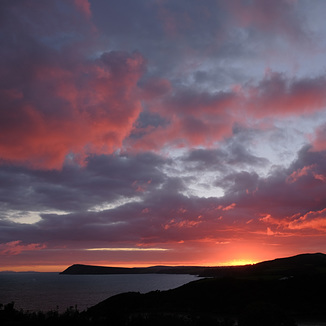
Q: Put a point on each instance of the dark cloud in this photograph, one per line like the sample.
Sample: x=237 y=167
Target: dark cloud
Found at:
x=104 y=179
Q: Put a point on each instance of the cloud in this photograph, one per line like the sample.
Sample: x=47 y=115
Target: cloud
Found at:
x=278 y=95
x=277 y=17
x=56 y=101
x=61 y=117
x=201 y=118
x=299 y=173
x=192 y=118
x=161 y=207
x=16 y=247
x=319 y=140
x=84 y=7
x=312 y=220
x=165 y=217
x=227 y=208
x=105 y=179
x=60 y=100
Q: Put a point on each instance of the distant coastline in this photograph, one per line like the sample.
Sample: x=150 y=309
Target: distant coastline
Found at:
x=280 y=267
x=79 y=269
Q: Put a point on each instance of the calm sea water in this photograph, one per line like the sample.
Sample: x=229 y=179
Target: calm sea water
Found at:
x=51 y=291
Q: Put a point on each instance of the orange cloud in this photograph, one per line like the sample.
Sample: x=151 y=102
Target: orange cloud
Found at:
x=312 y=220
x=227 y=208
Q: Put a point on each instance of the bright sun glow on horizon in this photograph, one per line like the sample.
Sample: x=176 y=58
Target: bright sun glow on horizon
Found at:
x=239 y=262
x=136 y=264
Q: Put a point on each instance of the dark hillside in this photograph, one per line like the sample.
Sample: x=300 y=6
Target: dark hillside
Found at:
x=304 y=264
x=298 y=298
x=274 y=293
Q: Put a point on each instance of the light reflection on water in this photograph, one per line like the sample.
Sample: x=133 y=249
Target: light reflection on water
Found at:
x=51 y=291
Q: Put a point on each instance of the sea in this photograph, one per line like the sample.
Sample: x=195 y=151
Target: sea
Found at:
x=32 y=291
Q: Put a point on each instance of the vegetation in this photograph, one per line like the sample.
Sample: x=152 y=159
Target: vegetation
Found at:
x=11 y=316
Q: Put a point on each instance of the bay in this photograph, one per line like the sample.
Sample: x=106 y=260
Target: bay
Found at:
x=52 y=291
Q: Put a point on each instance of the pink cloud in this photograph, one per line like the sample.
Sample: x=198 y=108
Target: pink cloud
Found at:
x=200 y=118
x=59 y=98
x=320 y=177
x=15 y=247
x=192 y=119
x=90 y=108
x=319 y=140
x=277 y=95
x=65 y=103
x=84 y=6
x=299 y=173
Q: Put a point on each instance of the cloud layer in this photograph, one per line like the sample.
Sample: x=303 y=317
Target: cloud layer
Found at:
x=193 y=127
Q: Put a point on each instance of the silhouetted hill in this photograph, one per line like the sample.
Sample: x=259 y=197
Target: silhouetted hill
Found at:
x=78 y=269
x=298 y=261
x=277 y=268
x=303 y=264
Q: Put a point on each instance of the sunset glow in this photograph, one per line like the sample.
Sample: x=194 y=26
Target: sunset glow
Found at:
x=139 y=133
x=239 y=262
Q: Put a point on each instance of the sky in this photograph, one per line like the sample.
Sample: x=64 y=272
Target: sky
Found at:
x=161 y=132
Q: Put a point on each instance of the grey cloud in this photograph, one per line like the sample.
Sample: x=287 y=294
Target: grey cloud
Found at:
x=75 y=188
x=169 y=31
x=235 y=154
